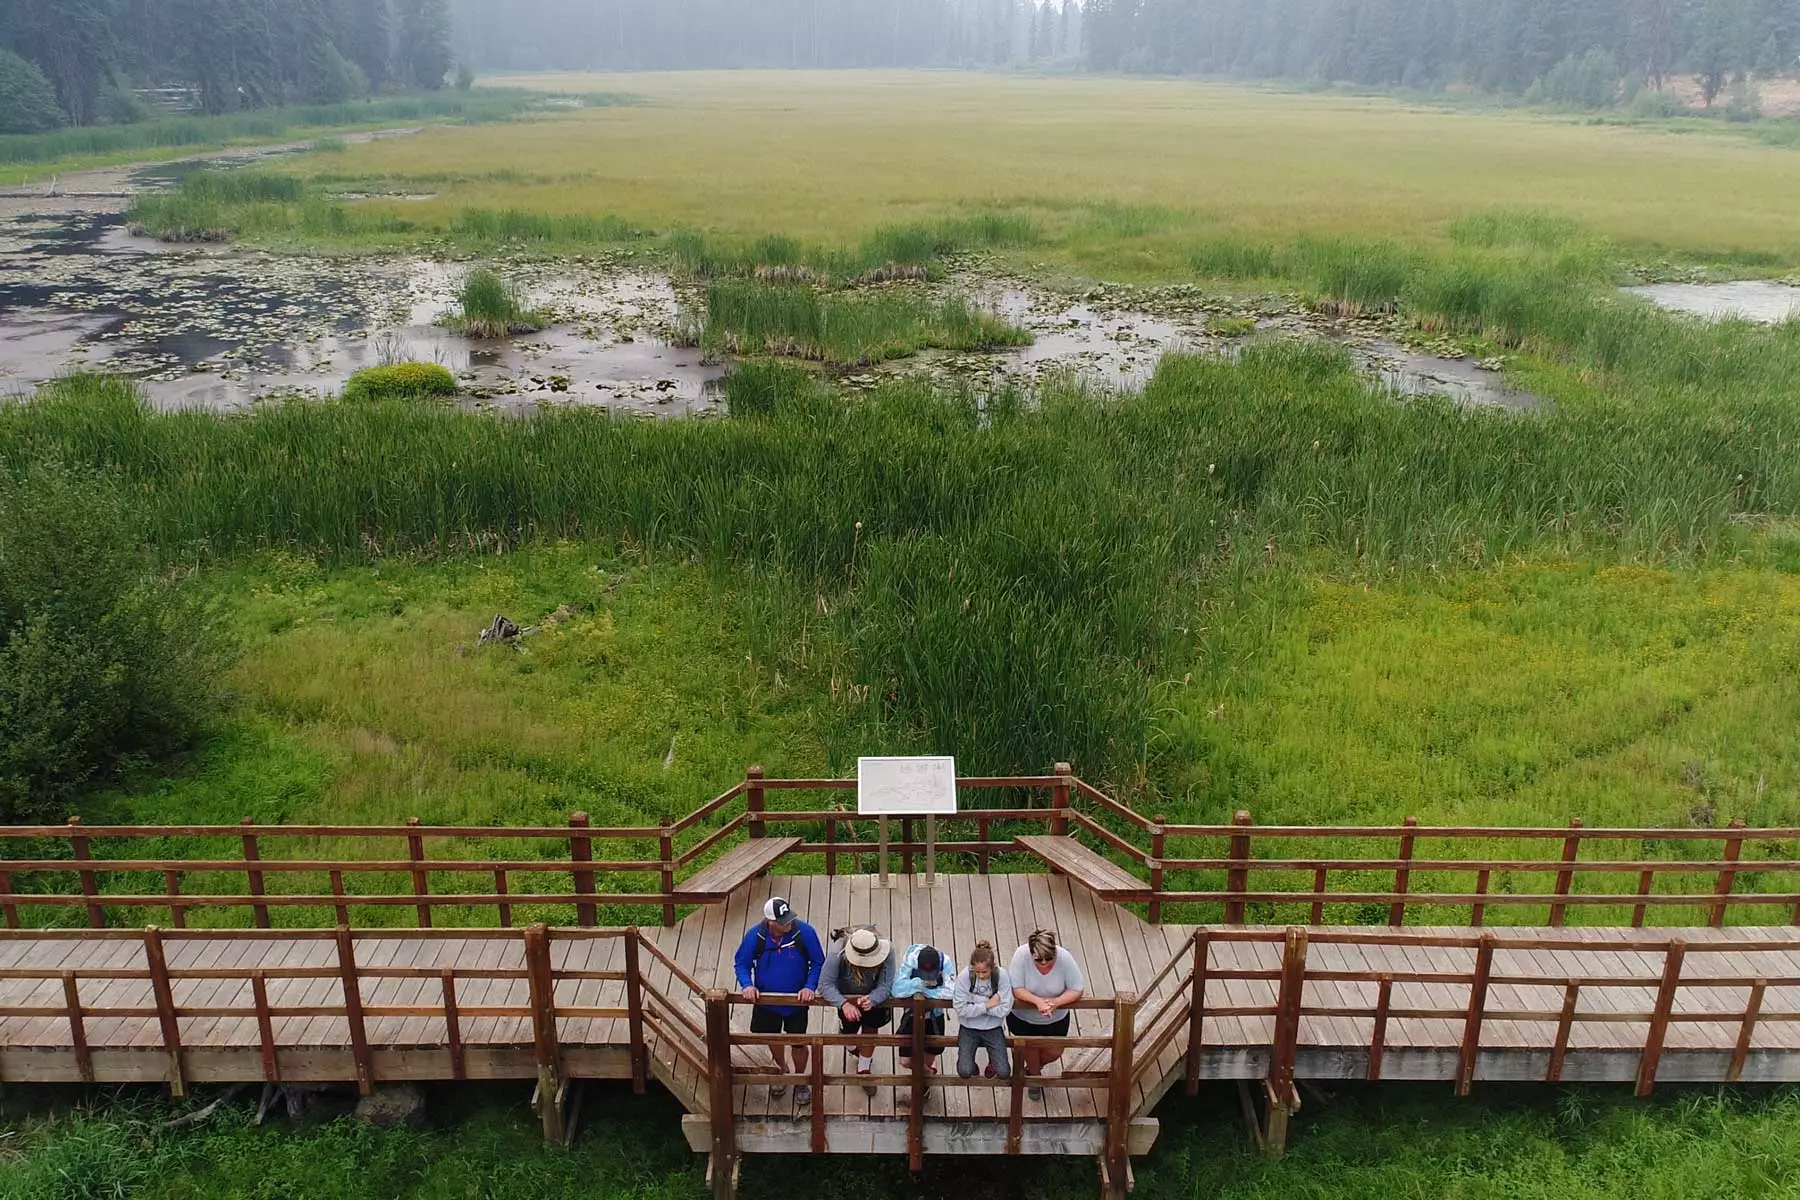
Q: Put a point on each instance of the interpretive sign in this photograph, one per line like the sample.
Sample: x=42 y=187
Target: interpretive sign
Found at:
x=906 y=787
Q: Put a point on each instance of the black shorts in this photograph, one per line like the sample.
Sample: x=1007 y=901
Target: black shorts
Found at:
x=873 y=1021
x=767 y=1020
x=1056 y=1028
x=934 y=1027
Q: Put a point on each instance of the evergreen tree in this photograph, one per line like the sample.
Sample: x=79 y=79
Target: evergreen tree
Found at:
x=366 y=37
x=70 y=41
x=423 y=58
x=27 y=101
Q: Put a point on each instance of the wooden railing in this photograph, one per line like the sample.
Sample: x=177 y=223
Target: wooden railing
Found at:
x=1116 y=1078
x=1239 y=873
x=247 y=992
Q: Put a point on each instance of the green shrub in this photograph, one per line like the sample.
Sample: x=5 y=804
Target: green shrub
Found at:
x=27 y=101
x=119 y=105
x=102 y=663
x=400 y=381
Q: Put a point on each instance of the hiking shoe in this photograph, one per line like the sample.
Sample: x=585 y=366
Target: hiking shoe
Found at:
x=1034 y=1093
x=803 y=1094
x=868 y=1088
x=990 y=1071
x=778 y=1091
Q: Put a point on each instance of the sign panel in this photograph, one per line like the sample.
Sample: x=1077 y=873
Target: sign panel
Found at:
x=906 y=787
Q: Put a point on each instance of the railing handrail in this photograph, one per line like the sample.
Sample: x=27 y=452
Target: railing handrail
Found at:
x=1075 y=807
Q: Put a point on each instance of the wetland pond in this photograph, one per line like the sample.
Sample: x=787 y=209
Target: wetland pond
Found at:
x=1749 y=300
x=221 y=327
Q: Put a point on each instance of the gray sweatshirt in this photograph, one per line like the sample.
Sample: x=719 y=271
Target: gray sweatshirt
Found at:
x=840 y=980
x=972 y=1011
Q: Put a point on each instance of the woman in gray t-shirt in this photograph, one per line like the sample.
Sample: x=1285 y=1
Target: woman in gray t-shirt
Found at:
x=1046 y=979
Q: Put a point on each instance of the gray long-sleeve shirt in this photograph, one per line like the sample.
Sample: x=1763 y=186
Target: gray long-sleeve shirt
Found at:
x=839 y=980
x=970 y=999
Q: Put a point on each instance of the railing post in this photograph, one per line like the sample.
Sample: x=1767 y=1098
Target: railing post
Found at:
x=906 y=839
x=982 y=832
x=1659 y=1019
x=543 y=1025
x=1117 y=1160
x=177 y=911
x=459 y=1069
x=754 y=800
x=1060 y=799
x=1197 y=1010
x=723 y=1168
x=915 y=1121
x=1565 y=1026
x=84 y=1059
x=253 y=853
x=353 y=1010
x=665 y=850
x=1402 y=875
x=421 y=879
x=1158 y=842
x=1280 y=1085
x=1734 y=847
x=1747 y=1030
x=1478 y=990
x=1384 y=999
x=1565 y=878
x=341 y=910
x=265 y=1026
x=164 y=992
x=831 y=845
x=505 y=908
x=634 y=1007
x=90 y=883
x=581 y=850
x=1237 y=877
x=6 y=899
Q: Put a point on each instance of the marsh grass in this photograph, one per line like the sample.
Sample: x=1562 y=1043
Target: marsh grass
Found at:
x=845 y=330
x=886 y=253
x=488 y=306
x=1021 y=574
x=511 y=226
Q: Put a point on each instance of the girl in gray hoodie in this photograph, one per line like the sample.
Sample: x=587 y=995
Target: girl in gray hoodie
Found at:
x=982 y=997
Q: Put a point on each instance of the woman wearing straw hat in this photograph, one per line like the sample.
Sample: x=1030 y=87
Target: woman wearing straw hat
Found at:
x=857 y=980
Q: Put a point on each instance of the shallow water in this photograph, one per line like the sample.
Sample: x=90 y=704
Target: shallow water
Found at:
x=221 y=328
x=1751 y=300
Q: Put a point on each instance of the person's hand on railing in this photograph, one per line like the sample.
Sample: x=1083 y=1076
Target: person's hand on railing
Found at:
x=852 y=1011
x=807 y=995
x=751 y=994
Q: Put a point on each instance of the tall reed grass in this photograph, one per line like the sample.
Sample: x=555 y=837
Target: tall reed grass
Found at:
x=1019 y=581
x=922 y=245
x=847 y=330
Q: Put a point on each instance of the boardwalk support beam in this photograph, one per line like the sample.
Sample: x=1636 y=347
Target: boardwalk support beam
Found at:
x=1282 y=1096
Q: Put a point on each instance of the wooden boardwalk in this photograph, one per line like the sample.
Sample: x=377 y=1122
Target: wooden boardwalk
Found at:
x=1654 y=982
x=1614 y=971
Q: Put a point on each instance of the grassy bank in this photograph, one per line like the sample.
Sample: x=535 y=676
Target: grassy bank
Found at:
x=98 y=145
x=1400 y=1140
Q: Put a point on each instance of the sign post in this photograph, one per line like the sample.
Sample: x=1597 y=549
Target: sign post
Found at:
x=907 y=787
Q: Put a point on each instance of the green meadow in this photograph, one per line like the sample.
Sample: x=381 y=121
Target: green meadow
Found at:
x=1261 y=583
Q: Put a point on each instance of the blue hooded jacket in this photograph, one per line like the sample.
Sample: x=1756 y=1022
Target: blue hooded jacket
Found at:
x=781 y=963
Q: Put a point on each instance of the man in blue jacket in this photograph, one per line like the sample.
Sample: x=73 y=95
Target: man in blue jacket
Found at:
x=781 y=955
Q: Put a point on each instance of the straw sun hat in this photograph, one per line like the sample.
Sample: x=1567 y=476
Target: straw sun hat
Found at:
x=866 y=948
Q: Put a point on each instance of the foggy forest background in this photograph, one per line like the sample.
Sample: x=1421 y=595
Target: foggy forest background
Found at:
x=87 y=62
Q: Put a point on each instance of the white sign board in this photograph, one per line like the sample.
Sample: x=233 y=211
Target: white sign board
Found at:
x=906 y=787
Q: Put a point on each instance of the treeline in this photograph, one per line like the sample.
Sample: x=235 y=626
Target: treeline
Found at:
x=652 y=34
x=89 y=62
x=1494 y=45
